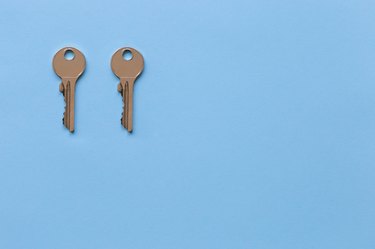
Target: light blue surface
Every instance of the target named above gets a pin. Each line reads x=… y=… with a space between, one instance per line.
x=254 y=126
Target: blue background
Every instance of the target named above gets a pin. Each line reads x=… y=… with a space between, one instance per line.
x=254 y=126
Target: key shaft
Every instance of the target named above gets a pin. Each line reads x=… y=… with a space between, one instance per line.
x=68 y=86
x=126 y=88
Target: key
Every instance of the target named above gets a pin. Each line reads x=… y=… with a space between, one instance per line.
x=128 y=70
x=69 y=70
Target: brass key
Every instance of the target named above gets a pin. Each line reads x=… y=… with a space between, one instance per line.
x=127 y=69
x=69 y=70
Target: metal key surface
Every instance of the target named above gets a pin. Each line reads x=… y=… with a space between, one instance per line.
x=127 y=70
x=69 y=70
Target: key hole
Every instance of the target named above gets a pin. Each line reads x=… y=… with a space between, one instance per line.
x=127 y=55
x=69 y=55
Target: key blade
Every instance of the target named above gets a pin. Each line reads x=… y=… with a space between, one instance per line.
x=68 y=86
x=126 y=87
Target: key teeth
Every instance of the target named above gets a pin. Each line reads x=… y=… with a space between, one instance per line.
x=62 y=90
x=64 y=115
x=122 y=120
